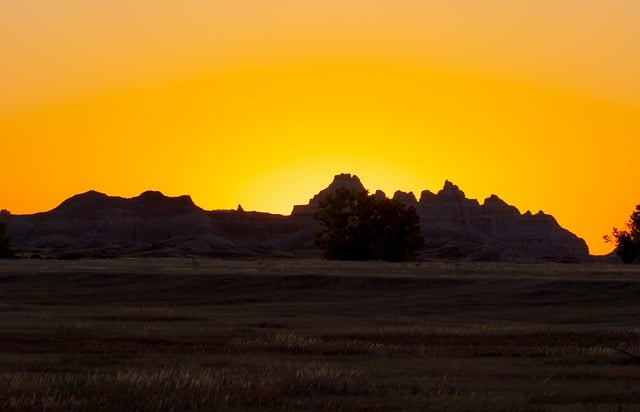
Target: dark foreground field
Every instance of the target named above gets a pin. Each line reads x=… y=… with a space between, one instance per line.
x=174 y=334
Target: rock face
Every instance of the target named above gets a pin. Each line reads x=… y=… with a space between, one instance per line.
x=456 y=226
x=93 y=219
x=405 y=198
x=351 y=182
x=94 y=224
x=461 y=228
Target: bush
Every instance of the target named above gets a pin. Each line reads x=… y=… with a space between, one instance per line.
x=5 y=243
x=358 y=226
x=628 y=241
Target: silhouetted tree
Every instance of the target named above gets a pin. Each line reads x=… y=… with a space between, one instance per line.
x=5 y=243
x=396 y=230
x=357 y=226
x=345 y=236
x=628 y=241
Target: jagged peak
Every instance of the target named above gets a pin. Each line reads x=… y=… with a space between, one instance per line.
x=405 y=197
x=427 y=195
x=451 y=192
x=380 y=195
x=346 y=180
x=494 y=199
x=494 y=204
x=342 y=180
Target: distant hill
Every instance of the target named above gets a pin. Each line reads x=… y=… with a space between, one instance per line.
x=93 y=224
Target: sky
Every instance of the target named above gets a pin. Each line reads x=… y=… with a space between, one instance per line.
x=260 y=103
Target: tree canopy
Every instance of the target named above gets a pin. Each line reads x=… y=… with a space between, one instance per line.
x=628 y=241
x=5 y=243
x=359 y=226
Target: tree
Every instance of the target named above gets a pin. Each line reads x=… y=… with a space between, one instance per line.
x=628 y=241
x=396 y=229
x=5 y=243
x=358 y=226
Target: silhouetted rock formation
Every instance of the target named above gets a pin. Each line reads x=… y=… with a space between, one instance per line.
x=457 y=227
x=408 y=199
x=351 y=182
x=94 y=224
x=94 y=219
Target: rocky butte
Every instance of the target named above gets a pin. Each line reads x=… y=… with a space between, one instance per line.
x=93 y=224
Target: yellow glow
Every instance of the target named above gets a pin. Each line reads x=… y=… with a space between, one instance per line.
x=261 y=103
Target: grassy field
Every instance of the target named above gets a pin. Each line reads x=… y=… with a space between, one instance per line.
x=178 y=334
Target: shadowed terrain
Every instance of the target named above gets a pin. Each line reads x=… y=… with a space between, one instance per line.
x=206 y=334
x=94 y=225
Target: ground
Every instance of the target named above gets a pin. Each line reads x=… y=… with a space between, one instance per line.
x=186 y=334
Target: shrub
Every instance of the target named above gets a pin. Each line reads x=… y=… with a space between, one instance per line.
x=359 y=226
x=628 y=241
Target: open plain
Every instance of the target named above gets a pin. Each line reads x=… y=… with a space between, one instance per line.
x=205 y=334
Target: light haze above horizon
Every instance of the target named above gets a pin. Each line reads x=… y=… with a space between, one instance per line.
x=261 y=103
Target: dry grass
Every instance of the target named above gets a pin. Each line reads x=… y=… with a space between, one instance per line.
x=313 y=335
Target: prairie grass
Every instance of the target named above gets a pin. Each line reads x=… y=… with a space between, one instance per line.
x=313 y=335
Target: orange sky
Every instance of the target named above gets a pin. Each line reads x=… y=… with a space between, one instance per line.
x=262 y=102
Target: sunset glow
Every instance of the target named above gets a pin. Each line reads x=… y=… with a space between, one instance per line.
x=260 y=103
